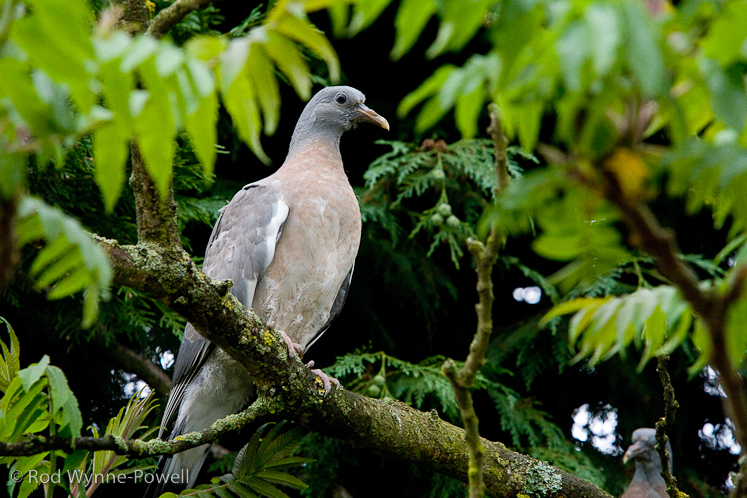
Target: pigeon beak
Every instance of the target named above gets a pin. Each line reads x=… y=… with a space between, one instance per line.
x=634 y=450
x=367 y=114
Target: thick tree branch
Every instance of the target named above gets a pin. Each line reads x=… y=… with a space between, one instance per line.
x=391 y=429
x=172 y=14
x=9 y=253
x=133 y=362
x=156 y=213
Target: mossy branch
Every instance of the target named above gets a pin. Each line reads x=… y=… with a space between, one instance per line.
x=135 y=448
x=172 y=14
x=391 y=429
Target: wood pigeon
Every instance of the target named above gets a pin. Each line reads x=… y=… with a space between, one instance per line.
x=647 y=481
x=288 y=242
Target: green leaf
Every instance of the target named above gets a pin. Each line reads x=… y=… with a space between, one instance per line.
x=221 y=492
x=141 y=49
x=559 y=246
x=412 y=16
x=426 y=89
x=654 y=332
x=729 y=248
x=21 y=410
x=241 y=104
x=240 y=489
x=232 y=62
x=12 y=169
x=702 y=342
x=308 y=35
x=604 y=28
x=643 y=50
x=530 y=118
x=365 y=12
x=728 y=99
x=282 y=478
x=288 y=58
x=727 y=33
x=155 y=127
x=205 y=48
x=201 y=119
x=266 y=489
x=459 y=23
x=10 y=360
x=266 y=87
x=56 y=38
x=16 y=83
x=573 y=48
x=287 y=462
x=31 y=374
x=468 y=108
x=59 y=392
x=110 y=150
x=736 y=339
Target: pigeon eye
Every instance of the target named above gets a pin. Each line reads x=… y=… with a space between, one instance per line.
x=340 y=98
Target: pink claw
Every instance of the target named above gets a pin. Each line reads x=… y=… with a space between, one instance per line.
x=294 y=349
x=327 y=381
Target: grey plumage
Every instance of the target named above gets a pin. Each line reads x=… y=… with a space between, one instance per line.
x=647 y=481
x=288 y=242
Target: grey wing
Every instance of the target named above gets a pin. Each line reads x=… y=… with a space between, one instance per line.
x=241 y=248
x=337 y=305
x=193 y=352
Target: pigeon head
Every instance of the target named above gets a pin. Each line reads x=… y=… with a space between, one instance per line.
x=643 y=450
x=330 y=113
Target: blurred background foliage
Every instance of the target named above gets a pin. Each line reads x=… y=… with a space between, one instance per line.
x=652 y=93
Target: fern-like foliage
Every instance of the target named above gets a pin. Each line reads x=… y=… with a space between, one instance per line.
x=260 y=466
x=382 y=376
x=438 y=189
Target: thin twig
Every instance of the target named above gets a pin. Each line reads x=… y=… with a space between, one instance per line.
x=463 y=380
x=139 y=449
x=665 y=426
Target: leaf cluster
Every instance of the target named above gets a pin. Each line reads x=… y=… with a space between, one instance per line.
x=35 y=400
x=260 y=466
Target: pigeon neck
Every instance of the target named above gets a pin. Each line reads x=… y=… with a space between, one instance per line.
x=310 y=132
x=648 y=471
